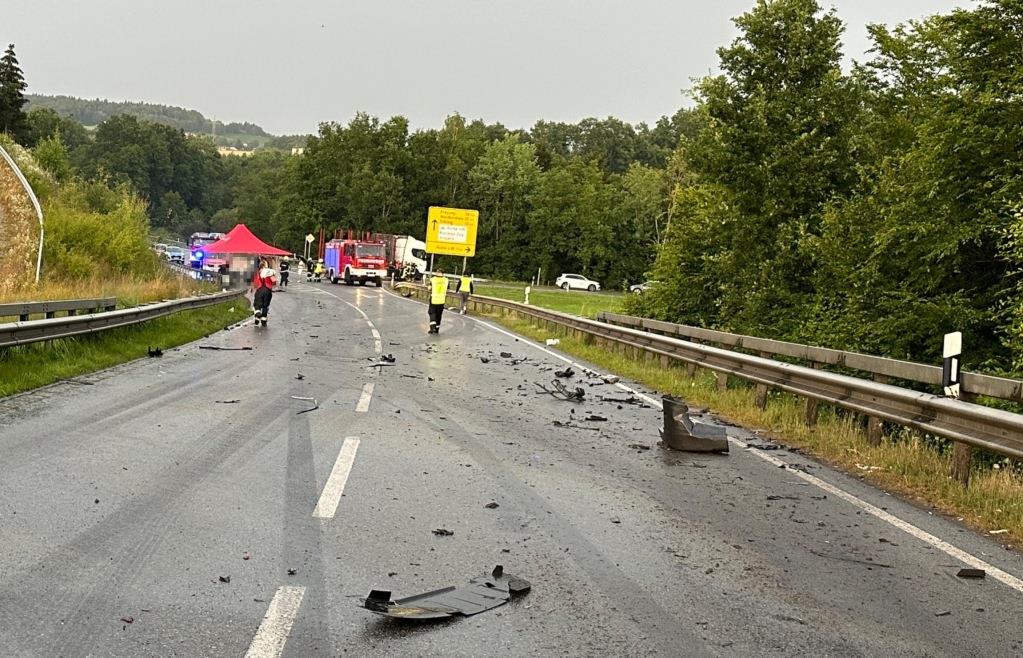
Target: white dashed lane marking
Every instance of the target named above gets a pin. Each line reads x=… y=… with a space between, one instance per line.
x=273 y=632
x=326 y=507
x=364 y=399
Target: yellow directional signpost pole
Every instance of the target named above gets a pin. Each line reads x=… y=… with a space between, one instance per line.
x=451 y=232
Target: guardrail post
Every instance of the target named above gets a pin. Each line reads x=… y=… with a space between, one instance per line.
x=23 y=317
x=813 y=405
x=962 y=453
x=691 y=367
x=761 y=399
x=722 y=380
x=875 y=426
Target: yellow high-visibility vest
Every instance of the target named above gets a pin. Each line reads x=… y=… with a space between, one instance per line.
x=438 y=289
x=465 y=284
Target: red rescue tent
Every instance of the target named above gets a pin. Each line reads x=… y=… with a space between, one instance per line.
x=240 y=240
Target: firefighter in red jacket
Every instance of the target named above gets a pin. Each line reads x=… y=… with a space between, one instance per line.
x=263 y=284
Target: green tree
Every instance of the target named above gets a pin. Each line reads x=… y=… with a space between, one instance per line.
x=775 y=143
x=928 y=242
x=502 y=183
x=52 y=155
x=44 y=123
x=12 y=97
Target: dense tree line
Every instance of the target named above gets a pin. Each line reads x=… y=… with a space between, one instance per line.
x=872 y=209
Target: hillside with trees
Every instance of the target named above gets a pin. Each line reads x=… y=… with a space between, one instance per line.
x=93 y=112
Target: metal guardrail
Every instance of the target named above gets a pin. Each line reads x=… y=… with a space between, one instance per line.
x=32 y=331
x=974 y=425
x=49 y=309
x=192 y=273
x=971 y=383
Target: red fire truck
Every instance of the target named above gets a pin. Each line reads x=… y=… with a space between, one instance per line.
x=351 y=260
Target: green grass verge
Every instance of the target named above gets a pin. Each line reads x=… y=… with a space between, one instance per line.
x=904 y=462
x=37 y=364
x=576 y=302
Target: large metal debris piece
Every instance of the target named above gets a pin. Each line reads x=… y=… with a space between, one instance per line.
x=683 y=433
x=481 y=594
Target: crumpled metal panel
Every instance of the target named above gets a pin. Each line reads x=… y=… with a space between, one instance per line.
x=481 y=594
x=683 y=433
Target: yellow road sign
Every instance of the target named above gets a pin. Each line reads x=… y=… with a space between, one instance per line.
x=451 y=231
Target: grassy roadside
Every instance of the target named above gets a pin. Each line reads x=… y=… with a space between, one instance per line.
x=904 y=464
x=129 y=291
x=37 y=364
x=576 y=302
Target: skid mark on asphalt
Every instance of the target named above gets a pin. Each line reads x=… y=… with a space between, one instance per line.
x=326 y=507
x=273 y=631
x=949 y=549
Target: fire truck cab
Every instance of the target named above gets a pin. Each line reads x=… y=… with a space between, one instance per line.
x=355 y=260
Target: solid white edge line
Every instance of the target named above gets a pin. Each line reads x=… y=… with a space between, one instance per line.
x=907 y=527
x=326 y=506
x=273 y=631
x=364 y=399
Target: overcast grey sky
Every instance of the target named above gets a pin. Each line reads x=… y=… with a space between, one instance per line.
x=289 y=64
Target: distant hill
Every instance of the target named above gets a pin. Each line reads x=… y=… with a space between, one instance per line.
x=96 y=111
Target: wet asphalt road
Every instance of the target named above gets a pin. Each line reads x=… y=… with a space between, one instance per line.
x=130 y=494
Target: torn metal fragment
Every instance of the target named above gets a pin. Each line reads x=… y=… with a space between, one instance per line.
x=566 y=373
x=680 y=432
x=966 y=572
x=479 y=595
x=562 y=392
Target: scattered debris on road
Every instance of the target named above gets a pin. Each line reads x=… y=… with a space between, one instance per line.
x=224 y=579
x=610 y=379
x=566 y=373
x=596 y=418
x=783 y=497
x=680 y=432
x=491 y=505
x=998 y=532
x=128 y=619
x=506 y=355
x=561 y=392
x=443 y=532
x=226 y=349
x=484 y=359
x=481 y=594
x=387 y=358
x=154 y=353
x=632 y=399
x=551 y=342
x=227 y=401
x=246 y=556
x=966 y=572
x=943 y=613
x=299 y=376
x=764 y=446
x=316 y=405
x=639 y=447
x=559 y=423
x=292 y=572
